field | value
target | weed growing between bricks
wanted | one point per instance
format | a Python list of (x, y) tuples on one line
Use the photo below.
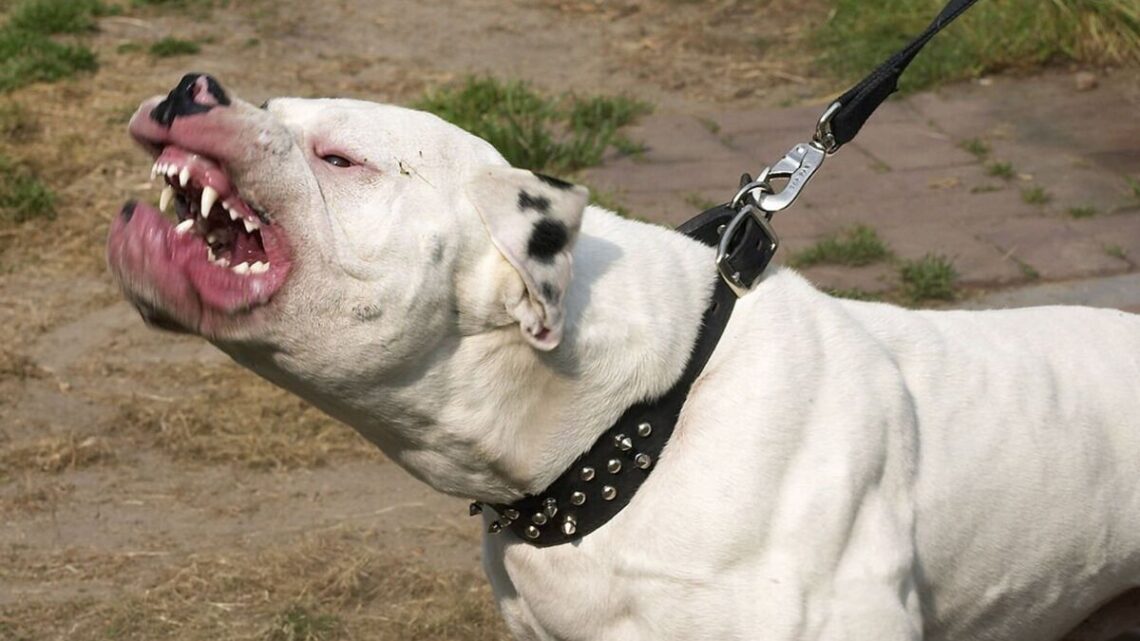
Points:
[(932, 277), (854, 247)]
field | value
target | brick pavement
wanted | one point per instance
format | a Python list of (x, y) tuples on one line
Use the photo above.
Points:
[(909, 178)]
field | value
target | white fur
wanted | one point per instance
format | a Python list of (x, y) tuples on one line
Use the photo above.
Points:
[(841, 471)]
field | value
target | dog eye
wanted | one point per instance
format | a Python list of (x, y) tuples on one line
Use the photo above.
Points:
[(337, 161)]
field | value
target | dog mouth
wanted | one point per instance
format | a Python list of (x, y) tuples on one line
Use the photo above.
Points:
[(219, 257), (208, 208)]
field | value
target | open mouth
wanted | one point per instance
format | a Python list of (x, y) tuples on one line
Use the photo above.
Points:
[(209, 209), (220, 256)]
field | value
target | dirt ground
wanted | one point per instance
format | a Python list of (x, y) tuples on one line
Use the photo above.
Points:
[(151, 489)]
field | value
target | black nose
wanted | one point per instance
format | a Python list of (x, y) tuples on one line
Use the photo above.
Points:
[(196, 93)]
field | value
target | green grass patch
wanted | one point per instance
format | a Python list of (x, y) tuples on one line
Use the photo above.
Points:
[(984, 189), (930, 278), (27, 52), (56, 16), (170, 47), (1036, 195), (1116, 251), (1134, 185), (22, 196), (1083, 211), (534, 131), (976, 146), (1003, 170), (860, 245), (992, 36)]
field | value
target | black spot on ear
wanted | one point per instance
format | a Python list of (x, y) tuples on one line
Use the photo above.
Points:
[(550, 292), (541, 204), (553, 182), (547, 239)]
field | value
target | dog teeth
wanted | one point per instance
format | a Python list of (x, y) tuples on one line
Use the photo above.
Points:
[(166, 198), (209, 197), (259, 268), (170, 170), (234, 215), (184, 176), (250, 225), (241, 268), (184, 226)]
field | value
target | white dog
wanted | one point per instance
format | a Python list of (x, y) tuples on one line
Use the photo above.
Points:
[(841, 470)]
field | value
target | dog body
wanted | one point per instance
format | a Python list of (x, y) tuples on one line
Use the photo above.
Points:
[(841, 470)]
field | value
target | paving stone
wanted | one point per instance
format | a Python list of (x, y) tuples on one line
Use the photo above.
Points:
[(1119, 231), (873, 279), (1052, 248), (677, 138), (1119, 292), (976, 261)]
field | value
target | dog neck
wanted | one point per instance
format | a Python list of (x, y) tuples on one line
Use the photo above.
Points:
[(513, 418)]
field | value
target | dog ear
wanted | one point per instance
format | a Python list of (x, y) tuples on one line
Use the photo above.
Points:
[(533, 221)]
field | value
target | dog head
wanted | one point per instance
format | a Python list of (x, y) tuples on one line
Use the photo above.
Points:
[(349, 230)]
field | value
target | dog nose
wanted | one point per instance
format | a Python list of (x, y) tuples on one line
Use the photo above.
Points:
[(196, 93)]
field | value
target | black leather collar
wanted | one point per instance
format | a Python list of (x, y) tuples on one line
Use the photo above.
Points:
[(603, 480)]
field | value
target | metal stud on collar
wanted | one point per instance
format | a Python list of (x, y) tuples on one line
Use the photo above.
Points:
[(613, 466), (569, 525), (532, 532), (643, 461), (577, 498), (587, 474), (609, 492), (623, 442), (475, 509), (538, 518), (550, 507), (644, 430)]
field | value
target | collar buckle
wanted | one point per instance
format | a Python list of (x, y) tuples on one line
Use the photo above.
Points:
[(747, 245)]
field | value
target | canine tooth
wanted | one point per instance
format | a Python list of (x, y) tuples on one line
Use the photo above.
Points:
[(184, 176), (209, 197), (259, 268), (184, 226), (241, 268), (166, 198)]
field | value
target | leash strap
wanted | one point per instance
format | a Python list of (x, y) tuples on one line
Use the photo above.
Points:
[(857, 105), (758, 200)]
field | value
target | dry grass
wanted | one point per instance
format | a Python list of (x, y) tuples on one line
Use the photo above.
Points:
[(337, 586), (54, 454), (222, 414)]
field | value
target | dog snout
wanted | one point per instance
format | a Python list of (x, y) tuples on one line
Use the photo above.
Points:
[(196, 93)]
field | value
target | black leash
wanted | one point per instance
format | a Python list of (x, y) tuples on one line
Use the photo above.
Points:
[(853, 108), (604, 479)]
